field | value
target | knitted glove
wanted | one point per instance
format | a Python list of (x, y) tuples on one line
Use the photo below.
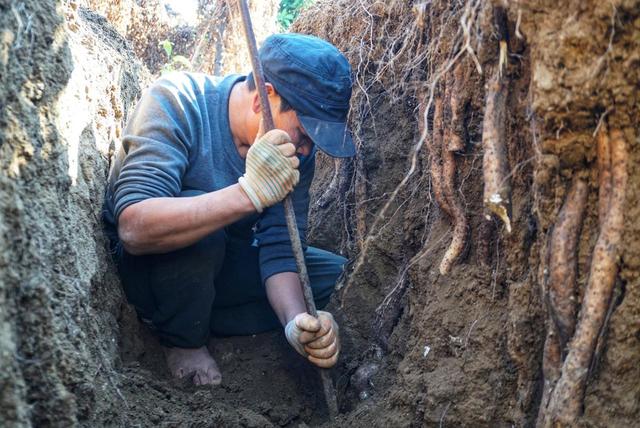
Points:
[(316, 339), (271, 169)]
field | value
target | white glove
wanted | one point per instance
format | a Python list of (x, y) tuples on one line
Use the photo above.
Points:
[(316, 339), (271, 169)]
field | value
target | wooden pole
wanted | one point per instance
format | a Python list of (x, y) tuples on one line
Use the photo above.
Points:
[(290, 215)]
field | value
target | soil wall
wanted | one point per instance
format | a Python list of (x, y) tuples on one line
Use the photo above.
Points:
[(67, 84), (465, 348)]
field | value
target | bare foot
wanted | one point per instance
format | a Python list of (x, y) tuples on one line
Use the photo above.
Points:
[(196, 363)]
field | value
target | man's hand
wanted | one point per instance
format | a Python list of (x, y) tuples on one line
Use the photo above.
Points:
[(272, 169), (316, 339)]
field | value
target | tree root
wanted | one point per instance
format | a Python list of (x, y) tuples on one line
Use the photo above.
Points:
[(460, 224), (434, 145), (563, 261), (566, 401), (443, 165), (561, 286), (603, 152), (497, 186), (458, 103)]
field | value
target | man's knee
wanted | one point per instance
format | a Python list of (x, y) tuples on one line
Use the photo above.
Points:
[(324, 269)]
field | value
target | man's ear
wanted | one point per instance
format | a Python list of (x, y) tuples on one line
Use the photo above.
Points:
[(255, 102)]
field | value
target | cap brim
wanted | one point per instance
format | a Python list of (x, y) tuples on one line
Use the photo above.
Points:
[(333, 138)]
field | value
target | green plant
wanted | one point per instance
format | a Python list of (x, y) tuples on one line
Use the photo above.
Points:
[(174, 62), (289, 11)]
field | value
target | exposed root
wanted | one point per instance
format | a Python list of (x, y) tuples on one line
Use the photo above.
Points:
[(458, 103), (460, 224), (561, 287), (603, 151), (497, 186), (563, 261), (551, 369), (443, 167), (566, 402), (500, 19), (434, 145)]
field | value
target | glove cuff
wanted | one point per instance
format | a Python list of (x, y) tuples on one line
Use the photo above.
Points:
[(251, 194), (292, 332)]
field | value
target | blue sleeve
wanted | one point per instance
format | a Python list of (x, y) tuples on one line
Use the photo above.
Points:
[(156, 143), (275, 251)]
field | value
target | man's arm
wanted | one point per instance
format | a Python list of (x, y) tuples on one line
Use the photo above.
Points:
[(162, 224), (285, 295), (159, 225), (316, 339)]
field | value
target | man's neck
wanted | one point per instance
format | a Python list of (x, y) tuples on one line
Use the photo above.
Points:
[(238, 100)]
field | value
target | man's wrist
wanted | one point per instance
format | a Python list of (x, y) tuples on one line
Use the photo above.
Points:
[(246, 204)]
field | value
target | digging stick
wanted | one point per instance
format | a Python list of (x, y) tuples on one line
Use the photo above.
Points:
[(327, 385)]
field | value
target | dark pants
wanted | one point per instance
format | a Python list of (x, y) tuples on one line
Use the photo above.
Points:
[(212, 287)]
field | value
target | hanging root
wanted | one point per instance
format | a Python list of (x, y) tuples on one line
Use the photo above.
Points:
[(453, 141), (500, 21), (551, 369), (458, 103), (563, 261), (561, 286), (460, 225), (434, 144), (603, 151), (566, 401), (497, 187), (443, 174)]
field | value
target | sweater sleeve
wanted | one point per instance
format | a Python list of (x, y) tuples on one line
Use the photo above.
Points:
[(156, 143), (275, 251)]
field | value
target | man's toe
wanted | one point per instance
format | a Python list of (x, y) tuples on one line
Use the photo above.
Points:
[(215, 376)]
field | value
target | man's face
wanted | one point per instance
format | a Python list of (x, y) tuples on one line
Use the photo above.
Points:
[(288, 122)]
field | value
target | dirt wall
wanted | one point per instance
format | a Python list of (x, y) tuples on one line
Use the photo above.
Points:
[(67, 86), (465, 348)]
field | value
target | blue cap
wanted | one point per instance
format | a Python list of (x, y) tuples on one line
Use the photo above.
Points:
[(315, 78)]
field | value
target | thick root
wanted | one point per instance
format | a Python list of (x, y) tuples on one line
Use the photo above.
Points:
[(566, 402), (460, 224), (603, 151), (551, 369), (563, 261), (561, 287), (434, 144), (458, 103), (497, 187)]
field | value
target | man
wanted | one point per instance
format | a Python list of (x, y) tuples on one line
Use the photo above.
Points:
[(193, 205)]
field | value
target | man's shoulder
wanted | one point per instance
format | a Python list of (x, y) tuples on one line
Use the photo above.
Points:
[(190, 83)]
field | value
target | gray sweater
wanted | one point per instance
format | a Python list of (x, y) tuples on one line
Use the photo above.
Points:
[(178, 139)]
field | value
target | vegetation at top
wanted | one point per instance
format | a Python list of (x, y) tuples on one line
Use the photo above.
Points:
[(289, 11)]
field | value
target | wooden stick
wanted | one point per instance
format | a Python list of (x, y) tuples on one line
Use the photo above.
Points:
[(290, 215), (567, 399)]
